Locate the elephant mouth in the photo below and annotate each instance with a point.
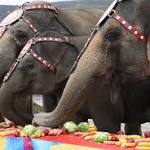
(134, 76)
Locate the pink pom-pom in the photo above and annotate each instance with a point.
(27, 144)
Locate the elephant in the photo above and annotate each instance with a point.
(114, 62)
(32, 18)
(53, 104)
(43, 68)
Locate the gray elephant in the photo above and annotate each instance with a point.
(31, 19)
(43, 67)
(114, 62)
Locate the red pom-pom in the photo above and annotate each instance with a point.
(120, 133)
(45, 131)
(114, 138)
(147, 134)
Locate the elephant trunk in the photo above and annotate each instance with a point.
(7, 106)
(8, 53)
(90, 66)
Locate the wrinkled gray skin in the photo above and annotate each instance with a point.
(116, 60)
(78, 21)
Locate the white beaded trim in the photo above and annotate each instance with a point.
(135, 32)
(43, 61)
(50, 39)
(30, 25)
(41, 7)
(129, 27)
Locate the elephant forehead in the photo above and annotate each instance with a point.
(12, 17)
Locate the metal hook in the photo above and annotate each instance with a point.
(112, 13)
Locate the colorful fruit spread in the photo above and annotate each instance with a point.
(81, 132)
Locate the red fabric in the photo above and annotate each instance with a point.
(71, 139)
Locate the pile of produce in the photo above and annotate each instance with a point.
(89, 132)
(84, 130)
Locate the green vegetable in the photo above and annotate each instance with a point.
(101, 137)
(29, 129)
(83, 126)
(70, 126)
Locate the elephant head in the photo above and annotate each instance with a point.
(21, 25)
(35, 17)
(44, 64)
(17, 28)
(118, 53)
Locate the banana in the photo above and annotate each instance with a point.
(142, 148)
(134, 136)
(144, 144)
(90, 138)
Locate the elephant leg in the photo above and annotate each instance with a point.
(23, 105)
(83, 114)
(1, 118)
(104, 121)
(133, 128)
(102, 109)
(49, 102)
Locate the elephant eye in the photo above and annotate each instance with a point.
(112, 36)
(22, 35)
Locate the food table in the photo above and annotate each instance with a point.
(83, 136)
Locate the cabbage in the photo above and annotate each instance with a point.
(83, 126)
(29, 129)
(70, 126)
(101, 137)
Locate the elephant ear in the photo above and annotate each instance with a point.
(117, 99)
(63, 68)
(74, 46)
(148, 49)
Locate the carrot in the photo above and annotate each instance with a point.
(130, 144)
(10, 133)
(55, 131)
(109, 142)
(88, 134)
(142, 140)
(79, 133)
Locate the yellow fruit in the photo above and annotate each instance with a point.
(23, 134)
(92, 127)
(122, 140)
(130, 144)
(134, 136)
(90, 138)
(142, 148)
(145, 144)
(118, 143)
